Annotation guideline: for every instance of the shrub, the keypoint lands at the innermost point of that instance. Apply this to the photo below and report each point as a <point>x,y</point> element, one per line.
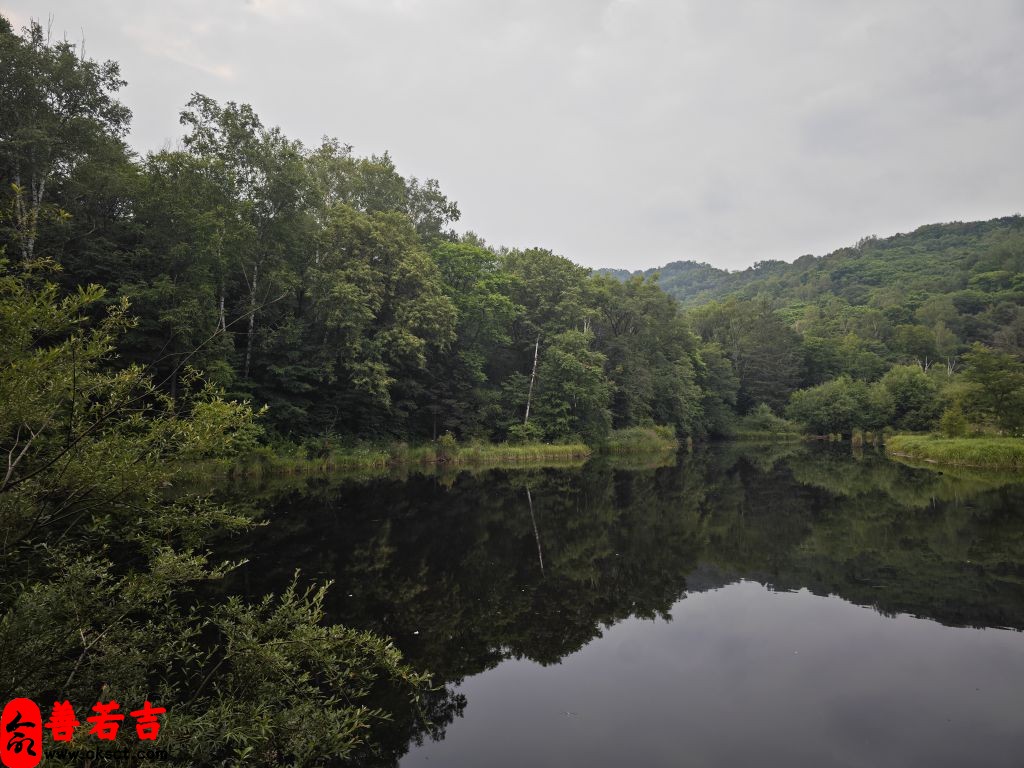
<point>446,447</point>
<point>953,422</point>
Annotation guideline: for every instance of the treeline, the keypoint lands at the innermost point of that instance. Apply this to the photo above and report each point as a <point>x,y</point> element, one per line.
<point>891,332</point>
<point>326,285</point>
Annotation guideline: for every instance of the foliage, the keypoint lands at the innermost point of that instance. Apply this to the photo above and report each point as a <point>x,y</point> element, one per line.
<point>100,566</point>
<point>763,421</point>
<point>997,392</point>
<point>915,399</point>
<point>924,299</point>
<point>56,109</point>
<point>840,406</point>
<point>332,290</point>
<point>953,422</point>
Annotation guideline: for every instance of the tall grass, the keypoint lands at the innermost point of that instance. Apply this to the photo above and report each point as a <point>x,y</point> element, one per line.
<point>994,452</point>
<point>640,440</point>
<point>477,454</point>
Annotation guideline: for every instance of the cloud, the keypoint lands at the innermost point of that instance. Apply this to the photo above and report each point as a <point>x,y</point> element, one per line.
<point>182,51</point>
<point>277,10</point>
<point>619,132</point>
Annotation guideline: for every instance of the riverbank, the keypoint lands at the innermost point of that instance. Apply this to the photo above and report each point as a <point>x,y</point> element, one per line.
<point>982,452</point>
<point>319,458</point>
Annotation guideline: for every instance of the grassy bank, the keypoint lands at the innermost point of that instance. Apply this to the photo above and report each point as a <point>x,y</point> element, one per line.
<point>988,452</point>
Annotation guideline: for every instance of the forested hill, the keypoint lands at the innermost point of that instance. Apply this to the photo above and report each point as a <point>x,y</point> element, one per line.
<point>943,299</point>
<point>964,258</point>
<point>931,299</point>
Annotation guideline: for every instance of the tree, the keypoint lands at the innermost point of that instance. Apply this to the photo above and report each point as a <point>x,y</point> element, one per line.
<point>997,394</point>
<point>262,176</point>
<point>573,392</point>
<point>840,406</point>
<point>953,422</point>
<point>764,350</point>
<point>456,379</point>
<point>56,108</point>
<point>915,397</point>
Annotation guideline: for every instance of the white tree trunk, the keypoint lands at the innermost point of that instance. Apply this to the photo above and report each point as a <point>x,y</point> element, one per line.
<point>533,378</point>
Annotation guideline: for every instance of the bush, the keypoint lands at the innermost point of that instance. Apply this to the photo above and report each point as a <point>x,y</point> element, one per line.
<point>953,422</point>
<point>447,447</point>
<point>763,419</point>
<point>840,406</point>
<point>525,433</point>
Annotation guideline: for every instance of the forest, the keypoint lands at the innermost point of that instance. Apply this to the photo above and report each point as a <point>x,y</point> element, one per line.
<point>896,331</point>
<point>334,293</point>
<point>242,291</point>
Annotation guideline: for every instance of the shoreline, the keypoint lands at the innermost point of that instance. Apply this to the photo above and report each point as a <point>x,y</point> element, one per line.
<point>295,459</point>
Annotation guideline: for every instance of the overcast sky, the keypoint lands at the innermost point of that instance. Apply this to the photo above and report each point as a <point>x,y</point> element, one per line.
<point>622,133</point>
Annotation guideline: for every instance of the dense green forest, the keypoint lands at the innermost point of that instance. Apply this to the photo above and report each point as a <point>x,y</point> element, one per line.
<point>937,316</point>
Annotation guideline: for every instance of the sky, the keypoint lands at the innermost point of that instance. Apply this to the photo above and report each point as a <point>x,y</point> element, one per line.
<point>618,133</point>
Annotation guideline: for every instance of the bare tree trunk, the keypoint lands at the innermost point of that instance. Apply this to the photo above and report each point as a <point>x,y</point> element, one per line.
<point>533,378</point>
<point>252,319</point>
<point>221,323</point>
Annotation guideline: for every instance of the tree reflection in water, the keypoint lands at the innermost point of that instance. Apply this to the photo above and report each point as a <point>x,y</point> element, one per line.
<point>467,570</point>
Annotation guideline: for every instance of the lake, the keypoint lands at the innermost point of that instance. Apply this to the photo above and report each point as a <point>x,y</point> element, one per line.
<point>741,605</point>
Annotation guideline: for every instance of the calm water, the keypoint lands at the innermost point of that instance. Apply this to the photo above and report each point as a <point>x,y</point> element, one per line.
<point>781,606</point>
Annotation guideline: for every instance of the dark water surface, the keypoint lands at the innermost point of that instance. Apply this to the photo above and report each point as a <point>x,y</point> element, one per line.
<point>765,606</point>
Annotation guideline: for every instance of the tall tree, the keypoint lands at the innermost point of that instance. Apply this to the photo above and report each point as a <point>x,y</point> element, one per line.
<point>56,108</point>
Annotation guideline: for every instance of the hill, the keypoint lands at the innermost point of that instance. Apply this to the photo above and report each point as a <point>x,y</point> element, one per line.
<point>922,298</point>
<point>981,257</point>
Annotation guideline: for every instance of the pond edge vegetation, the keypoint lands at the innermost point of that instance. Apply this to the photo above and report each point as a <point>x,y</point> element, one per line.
<point>324,455</point>
<point>983,452</point>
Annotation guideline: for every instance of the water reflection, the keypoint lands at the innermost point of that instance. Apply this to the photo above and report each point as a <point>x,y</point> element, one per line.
<point>474,572</point>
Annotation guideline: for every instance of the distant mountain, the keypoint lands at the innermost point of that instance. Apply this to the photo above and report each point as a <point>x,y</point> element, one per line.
<point>968,259</point>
